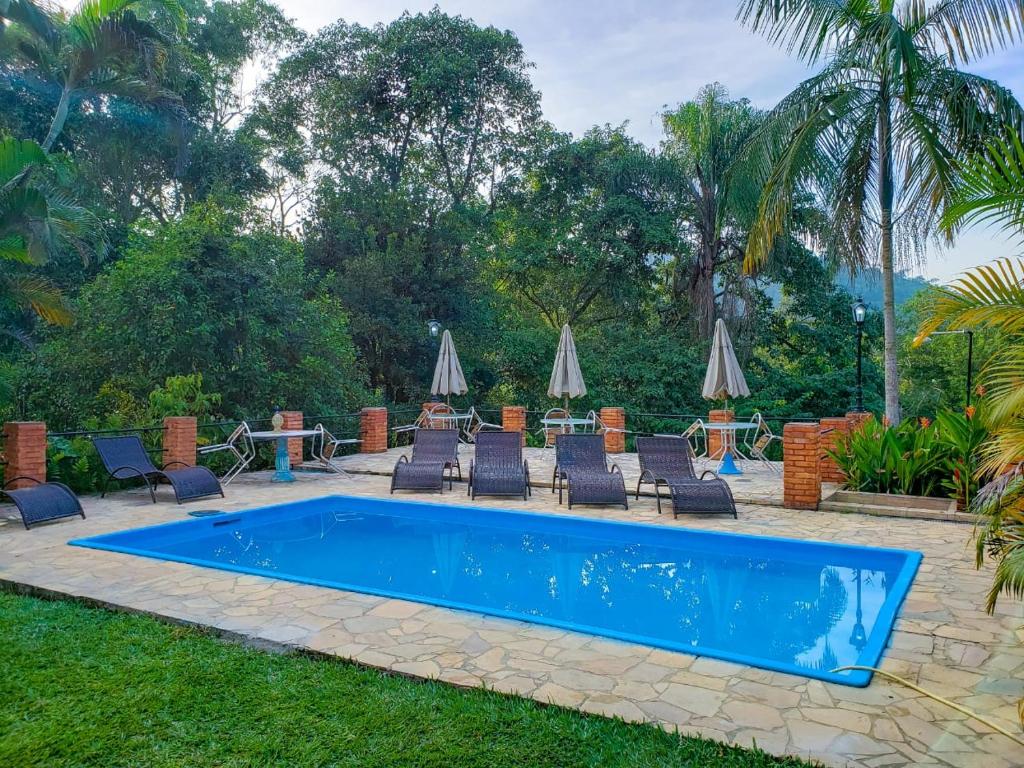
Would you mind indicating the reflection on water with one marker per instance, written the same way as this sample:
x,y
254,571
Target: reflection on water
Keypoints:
x,y
800,607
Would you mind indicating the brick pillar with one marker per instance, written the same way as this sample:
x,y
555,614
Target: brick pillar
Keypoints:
x,y
801,468
832,431
513,419
293,420
715,445
856,418
25,448
373,430
180,439
615,418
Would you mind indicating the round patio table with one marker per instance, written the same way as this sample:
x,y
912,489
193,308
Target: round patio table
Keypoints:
x,y
282,465
728,429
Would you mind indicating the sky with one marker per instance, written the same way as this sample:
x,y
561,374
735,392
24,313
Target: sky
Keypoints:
x,y
613,61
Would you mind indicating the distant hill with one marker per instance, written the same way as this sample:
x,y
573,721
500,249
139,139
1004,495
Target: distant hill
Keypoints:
x,y
868,285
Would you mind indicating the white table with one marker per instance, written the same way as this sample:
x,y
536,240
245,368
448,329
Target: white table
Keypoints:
x,y
728,430
282,464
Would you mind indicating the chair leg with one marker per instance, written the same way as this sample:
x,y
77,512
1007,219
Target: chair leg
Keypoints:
x,y
638,490
103,489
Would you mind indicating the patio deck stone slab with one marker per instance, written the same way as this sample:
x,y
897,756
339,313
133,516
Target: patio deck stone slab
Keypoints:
x,y
943,640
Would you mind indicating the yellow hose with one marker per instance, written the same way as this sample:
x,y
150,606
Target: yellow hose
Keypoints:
x,y
937,698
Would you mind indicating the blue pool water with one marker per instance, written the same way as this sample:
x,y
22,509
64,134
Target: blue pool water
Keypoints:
x,y
793,606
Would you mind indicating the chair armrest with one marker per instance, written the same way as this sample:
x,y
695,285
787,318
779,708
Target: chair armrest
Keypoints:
x,y
711,472
172,463
402,458
22,477
615,468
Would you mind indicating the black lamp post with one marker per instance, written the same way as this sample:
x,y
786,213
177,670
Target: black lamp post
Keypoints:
x,y
859,636
434,328
860,313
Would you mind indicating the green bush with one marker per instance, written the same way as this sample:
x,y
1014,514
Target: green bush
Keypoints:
x,y
915,458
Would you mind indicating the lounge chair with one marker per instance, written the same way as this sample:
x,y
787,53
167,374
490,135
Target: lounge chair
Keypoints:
x,y
581,462
43,501
498,469
433,451
668,461
124,458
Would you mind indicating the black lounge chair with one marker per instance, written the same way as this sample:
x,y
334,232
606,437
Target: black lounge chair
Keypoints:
x,y
125,458
580,461
43,501
668,461
433,451
498,468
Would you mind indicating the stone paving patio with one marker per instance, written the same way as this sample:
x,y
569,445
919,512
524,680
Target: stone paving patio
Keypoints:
x,y
943,640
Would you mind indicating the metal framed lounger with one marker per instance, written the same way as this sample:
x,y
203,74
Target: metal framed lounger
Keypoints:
x,y
498,468
668,461
125,458
43,501
433,451
581,462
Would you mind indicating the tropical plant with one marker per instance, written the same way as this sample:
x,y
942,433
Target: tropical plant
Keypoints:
x,y
103,47
963,434
35,221
907,459
992,296
875,133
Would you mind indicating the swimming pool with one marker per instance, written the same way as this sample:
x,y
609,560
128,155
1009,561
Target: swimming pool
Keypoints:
x,y
793,606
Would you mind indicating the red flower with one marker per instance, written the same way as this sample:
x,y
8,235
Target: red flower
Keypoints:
x,y
925,422
970,411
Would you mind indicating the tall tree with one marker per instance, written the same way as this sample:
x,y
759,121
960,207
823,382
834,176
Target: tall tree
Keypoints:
x,y
705,139
876,132
575,238
114,47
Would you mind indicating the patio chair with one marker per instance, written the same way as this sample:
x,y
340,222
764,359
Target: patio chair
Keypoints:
x,y
475,425
761,439
420,422
325,445
125,458
498,468
239,443
581,462
697,436
668,461
433,451
438,409
551,432
43,501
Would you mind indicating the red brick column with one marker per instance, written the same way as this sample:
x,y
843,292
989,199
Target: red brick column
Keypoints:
x,y
857,418
513,419
615,418
26,451
180,439
715,444
293,420
373,430
832,432
801,468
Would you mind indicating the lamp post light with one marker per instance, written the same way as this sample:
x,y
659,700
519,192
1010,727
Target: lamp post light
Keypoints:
x,y
434,328
970,355
860,313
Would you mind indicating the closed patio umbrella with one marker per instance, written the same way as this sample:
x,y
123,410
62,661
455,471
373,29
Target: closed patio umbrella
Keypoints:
x,y
448,378
724,378
566,377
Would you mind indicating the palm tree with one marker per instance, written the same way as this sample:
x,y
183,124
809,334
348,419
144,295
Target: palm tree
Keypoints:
x,y
876,132
705,138
35,221
991,185
114,47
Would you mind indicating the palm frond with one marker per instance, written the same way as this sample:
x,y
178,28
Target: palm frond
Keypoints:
x,y
991,186
989,296
807,27
966,29
39,294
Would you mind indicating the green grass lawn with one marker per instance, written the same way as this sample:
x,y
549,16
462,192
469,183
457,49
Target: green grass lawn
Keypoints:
x,y
83,686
